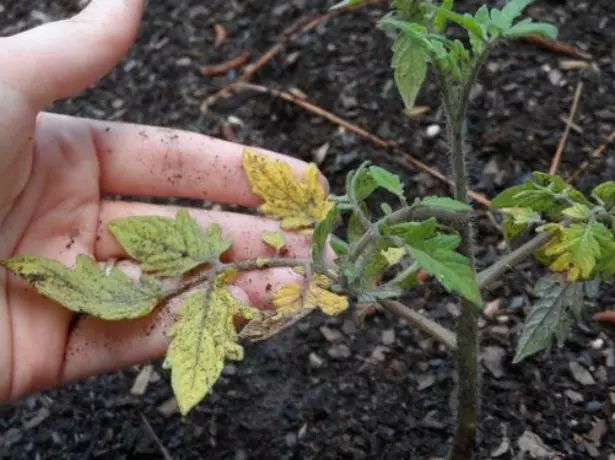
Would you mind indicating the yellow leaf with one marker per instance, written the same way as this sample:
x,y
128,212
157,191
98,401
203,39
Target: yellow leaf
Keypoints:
x,y
203,338
319,296
576,249
290,298
393,255
274,239
87,288
298,204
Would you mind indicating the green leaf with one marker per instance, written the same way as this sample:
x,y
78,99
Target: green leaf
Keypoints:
x,y
545,193
339,246
523,215
499,20
440,19
578,211
605,192
274,240
363,184
551,316
531,28
450,268
387,180
355,229
448,204
409,62
577,248
448,242
478,42
513,9
321,234
558,185
526,195
412,30
512,229
203,339
517,220
466,21
414,232
88,288
169,247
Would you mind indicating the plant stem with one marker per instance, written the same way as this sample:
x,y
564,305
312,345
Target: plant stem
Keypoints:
x,y
244,265
468,392
498,268
427,325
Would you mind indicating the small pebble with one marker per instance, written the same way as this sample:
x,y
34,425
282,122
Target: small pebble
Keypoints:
x,y
340,351
433,130
388,337
332,335
290,439
315,361
593,406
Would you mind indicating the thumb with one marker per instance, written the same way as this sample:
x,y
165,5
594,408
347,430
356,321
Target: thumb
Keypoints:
x,y
59,59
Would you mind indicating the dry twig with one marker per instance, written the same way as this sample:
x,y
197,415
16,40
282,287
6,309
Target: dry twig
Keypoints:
x,y
557,158
223,67
397,156
152,433
292,33
557,47
597,153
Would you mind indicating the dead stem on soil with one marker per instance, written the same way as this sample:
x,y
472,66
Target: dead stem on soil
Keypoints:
x,y
152,433
289,35
597,153
397,156
223,67
557,47
557,158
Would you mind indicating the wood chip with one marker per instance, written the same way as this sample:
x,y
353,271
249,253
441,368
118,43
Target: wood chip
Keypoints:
x,y
492,359
320,153
219,35
532,444
573,64
597,432
37,419
169,407
139,386
332,335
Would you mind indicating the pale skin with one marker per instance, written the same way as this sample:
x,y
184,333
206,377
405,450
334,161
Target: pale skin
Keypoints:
x,y
53,171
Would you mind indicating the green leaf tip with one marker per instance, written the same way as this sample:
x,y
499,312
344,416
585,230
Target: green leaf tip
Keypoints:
x,y
558,304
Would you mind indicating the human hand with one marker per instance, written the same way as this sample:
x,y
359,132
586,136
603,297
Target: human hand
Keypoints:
x,y
53,170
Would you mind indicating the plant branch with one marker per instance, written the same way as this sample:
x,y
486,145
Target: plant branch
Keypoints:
x,y
426,325
244,265
498,268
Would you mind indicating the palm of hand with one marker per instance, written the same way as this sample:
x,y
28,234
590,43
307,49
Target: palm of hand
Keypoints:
x,y
51,206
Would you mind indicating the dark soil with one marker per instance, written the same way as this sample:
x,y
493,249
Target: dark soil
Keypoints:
x,y
384,392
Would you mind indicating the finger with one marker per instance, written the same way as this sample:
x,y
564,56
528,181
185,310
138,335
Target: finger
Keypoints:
x,y
97,346
245,231
59,59
139,160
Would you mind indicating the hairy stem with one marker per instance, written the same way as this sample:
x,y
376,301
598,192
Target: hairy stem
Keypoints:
x,y
498,268
244,265
456,101
427,325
